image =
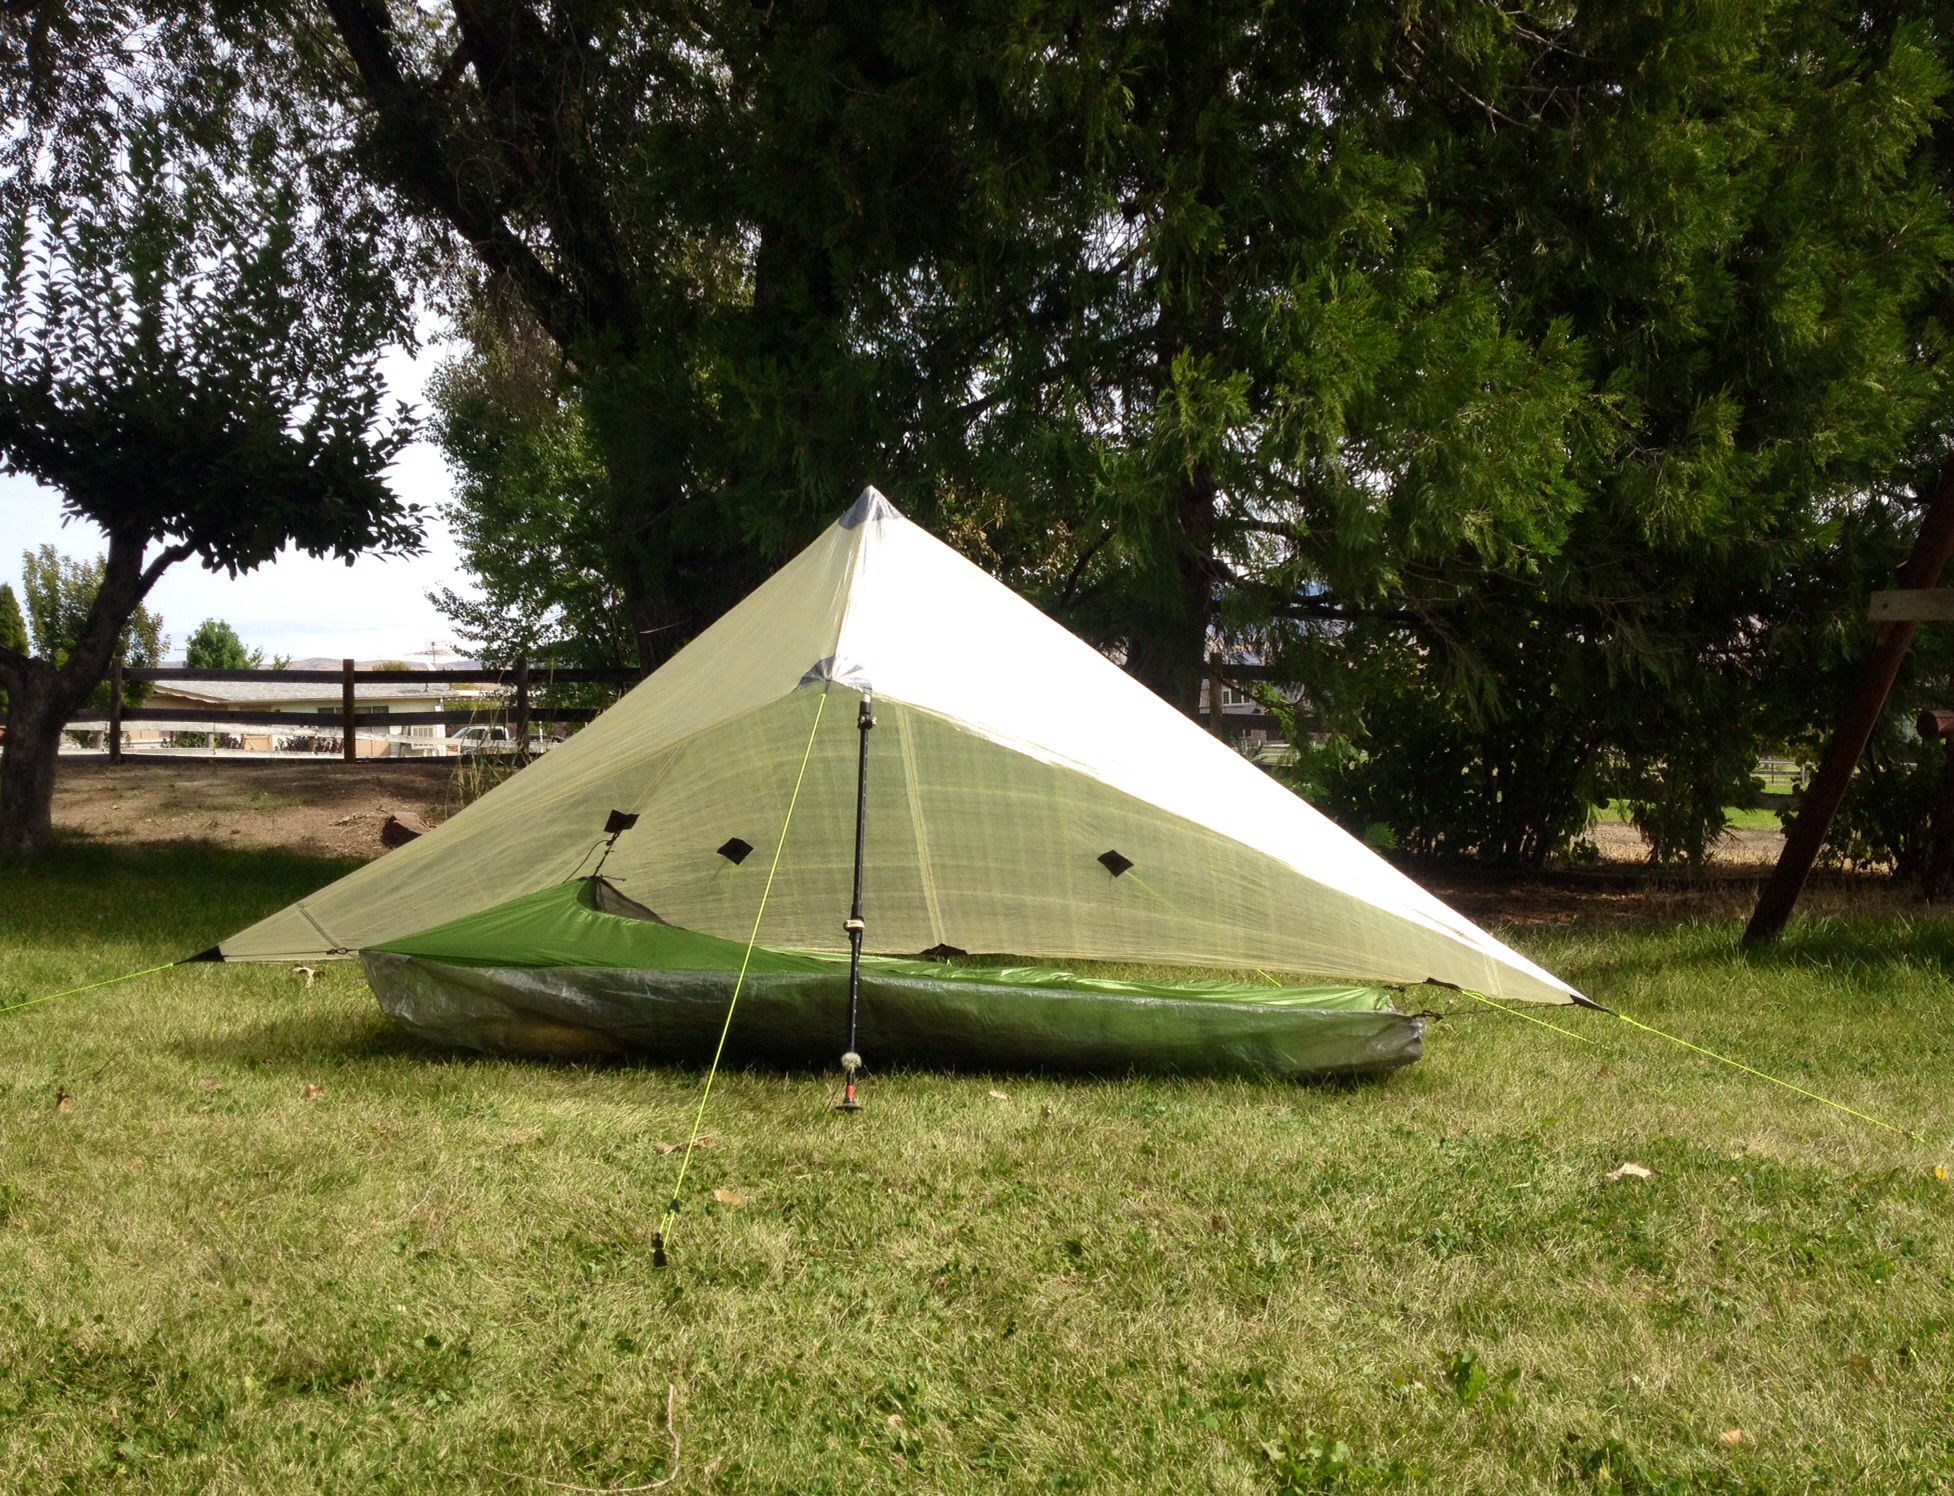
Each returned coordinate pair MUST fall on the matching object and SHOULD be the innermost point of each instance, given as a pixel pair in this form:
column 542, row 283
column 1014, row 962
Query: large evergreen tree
column 1735, row 226
column 1541, row 385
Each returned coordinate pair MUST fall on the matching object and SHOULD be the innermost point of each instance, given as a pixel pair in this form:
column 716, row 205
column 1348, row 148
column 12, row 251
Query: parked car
column 481, row 738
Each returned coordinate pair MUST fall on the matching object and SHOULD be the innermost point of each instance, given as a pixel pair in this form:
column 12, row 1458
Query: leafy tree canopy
column 193, row 299
column 529, row 512
column 61, row 591
column 1542, row 388
column 214, row 645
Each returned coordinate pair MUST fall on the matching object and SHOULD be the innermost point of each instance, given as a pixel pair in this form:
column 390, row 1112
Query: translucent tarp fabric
column 554, row 974
column 1009, row 756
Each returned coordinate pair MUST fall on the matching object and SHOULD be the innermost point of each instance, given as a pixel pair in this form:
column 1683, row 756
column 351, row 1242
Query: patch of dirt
column 1623, row 894
column 322, row 809
column 337, row 810
column 1617, row 841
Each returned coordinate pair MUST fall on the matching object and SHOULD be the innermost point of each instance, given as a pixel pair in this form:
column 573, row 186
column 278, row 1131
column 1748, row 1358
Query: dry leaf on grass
column 313, row 1091
column 998, row 1096
column 704, row 1140
column 1631, row 1171
column 209, row 1083
column 61, row 1102
column 1730, row 1438
column 728, row 1197
column 307, row 972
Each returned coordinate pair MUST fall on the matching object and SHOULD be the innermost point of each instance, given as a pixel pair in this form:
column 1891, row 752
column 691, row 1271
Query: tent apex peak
column 870, row 504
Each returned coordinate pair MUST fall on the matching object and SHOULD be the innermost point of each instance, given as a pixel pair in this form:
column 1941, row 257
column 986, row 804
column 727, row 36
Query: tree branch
column 1067, row 594
column 419, row 154
column 546, row 144
column 183, row 550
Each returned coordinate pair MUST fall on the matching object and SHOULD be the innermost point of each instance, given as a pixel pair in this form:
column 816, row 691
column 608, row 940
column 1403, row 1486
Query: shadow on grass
column 1858, row 951
column 305, row 1040
column 177, row 896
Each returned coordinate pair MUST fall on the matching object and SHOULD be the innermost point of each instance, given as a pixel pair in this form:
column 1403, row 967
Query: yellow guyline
column 685, row 1159
column 1578, row 1038
column 1739, row 1065
column 1721, row 1059
column 33, row 1002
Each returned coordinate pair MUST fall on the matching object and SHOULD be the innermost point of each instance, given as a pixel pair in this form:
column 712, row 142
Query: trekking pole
column 851, row 1059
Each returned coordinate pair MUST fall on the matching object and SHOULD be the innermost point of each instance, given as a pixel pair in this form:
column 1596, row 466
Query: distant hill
column 322, row 662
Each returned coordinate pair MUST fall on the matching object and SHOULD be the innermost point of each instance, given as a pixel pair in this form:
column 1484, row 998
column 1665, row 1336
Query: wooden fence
column 520, row 710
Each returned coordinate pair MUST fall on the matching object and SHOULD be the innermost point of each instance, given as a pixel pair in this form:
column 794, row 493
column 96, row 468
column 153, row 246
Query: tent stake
column 851, row 1059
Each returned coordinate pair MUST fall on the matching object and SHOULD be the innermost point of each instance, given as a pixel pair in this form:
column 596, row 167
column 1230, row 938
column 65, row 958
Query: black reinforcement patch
column 1114, row 863
column 736, row 851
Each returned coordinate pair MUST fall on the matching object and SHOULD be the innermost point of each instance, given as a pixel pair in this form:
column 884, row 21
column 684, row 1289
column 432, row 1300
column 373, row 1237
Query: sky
column 374, row 609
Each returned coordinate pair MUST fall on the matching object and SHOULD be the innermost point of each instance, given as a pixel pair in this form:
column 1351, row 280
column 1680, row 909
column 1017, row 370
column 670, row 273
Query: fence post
column 522, row 707
column 348, row 742
column 115, row 711
column 1215, row 725
column 1932, row 548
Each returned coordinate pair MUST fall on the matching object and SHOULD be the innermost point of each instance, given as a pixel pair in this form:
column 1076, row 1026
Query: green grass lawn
column 1739, row 817
column 436, row 1269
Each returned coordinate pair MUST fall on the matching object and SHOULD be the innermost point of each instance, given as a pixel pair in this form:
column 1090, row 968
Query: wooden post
column 349, row 747
column 522, row 709
column 1923, row 568
column 115, row 711
column 1940, row 843
column 1214, row 697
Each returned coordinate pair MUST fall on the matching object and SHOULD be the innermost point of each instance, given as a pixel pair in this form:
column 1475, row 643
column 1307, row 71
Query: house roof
column 279, row 693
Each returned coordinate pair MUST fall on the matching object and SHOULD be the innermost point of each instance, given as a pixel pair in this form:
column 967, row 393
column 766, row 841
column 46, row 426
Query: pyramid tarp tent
column 1009, row 759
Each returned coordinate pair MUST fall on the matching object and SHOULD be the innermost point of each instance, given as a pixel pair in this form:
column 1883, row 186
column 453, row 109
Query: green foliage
column 13, row 631
column 195, row 299
column 214, row 645
column 1749, row 325
column 61, row 591
column 13, row 627
column 1887, row 817
column 531, row 509
column 1542, row 389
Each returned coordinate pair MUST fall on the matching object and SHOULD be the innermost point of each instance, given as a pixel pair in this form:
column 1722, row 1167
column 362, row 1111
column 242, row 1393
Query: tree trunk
column 27, row 764
column 1167, row 649
column 1167, row 643
column 43, row 697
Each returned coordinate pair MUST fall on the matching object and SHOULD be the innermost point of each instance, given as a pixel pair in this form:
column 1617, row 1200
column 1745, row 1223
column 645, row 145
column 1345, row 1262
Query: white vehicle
column 482, row 738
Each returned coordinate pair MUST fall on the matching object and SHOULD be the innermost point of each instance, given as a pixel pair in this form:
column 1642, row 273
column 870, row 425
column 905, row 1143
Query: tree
column 530, row 512
column 60, row 592
column 730, row 223
column 13, row 631
column 193, row 308
column 1755, row 320
column 1531, row 383
column 215, row 646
